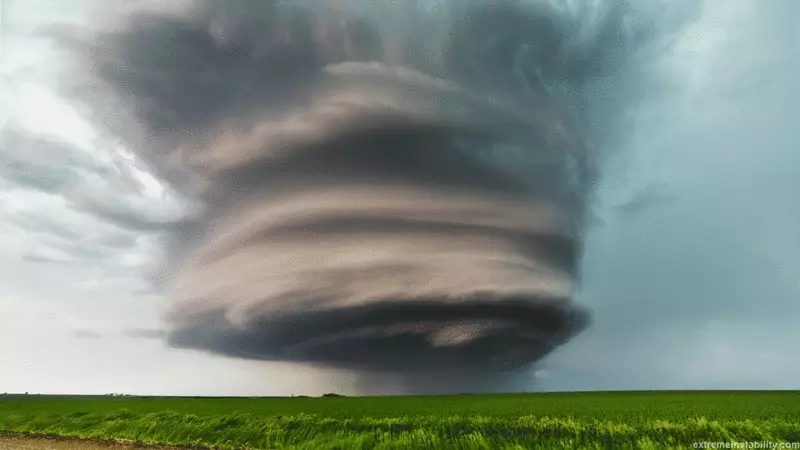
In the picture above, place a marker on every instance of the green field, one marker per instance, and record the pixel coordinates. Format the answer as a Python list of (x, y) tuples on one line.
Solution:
[(511, 421)]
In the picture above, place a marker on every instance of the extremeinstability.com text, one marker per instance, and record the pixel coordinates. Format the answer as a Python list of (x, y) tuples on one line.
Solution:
[(748, 445)]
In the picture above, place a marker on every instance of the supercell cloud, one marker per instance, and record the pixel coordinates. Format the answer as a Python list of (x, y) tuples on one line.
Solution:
[(382, 188)]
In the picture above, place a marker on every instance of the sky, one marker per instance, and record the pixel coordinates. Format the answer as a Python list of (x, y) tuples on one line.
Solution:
[(691, 271)]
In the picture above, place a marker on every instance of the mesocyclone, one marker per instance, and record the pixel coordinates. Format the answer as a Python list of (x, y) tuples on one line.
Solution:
[(382, 188)]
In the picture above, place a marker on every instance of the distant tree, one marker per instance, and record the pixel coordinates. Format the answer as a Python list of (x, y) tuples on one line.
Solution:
[(331, 394)]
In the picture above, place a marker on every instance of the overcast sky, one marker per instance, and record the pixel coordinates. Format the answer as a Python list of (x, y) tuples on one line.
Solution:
[(692, 270)]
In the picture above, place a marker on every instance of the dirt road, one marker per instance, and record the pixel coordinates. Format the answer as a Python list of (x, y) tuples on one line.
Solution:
[(31, 443)]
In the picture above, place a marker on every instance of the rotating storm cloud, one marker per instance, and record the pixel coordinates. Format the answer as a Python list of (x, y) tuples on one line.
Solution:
[(385, 187)]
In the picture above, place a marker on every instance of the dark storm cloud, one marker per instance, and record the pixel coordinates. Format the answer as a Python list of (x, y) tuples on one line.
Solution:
[(370, 199)]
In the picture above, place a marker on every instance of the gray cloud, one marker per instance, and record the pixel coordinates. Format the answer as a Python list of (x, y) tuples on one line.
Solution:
[(145, 333), (46, 225), (87, 334), (116, 240), (48, 259), (355, 213), (43, 179), (647, 198), (120, 215), (43, 163), (100, 211), (106, 189), (76, 240)]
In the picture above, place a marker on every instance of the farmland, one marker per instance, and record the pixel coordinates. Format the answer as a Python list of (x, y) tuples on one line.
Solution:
[(673, 419)]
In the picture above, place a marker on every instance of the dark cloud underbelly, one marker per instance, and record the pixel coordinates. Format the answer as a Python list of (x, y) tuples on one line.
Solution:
[(380, 243)]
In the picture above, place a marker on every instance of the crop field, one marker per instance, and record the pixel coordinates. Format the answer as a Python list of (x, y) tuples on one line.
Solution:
[(656, 420)]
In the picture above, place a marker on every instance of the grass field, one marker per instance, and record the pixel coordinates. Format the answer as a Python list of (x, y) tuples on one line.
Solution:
[(511, 421)]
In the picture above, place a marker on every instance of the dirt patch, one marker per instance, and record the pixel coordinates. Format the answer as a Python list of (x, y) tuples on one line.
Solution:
[(51, 443)]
